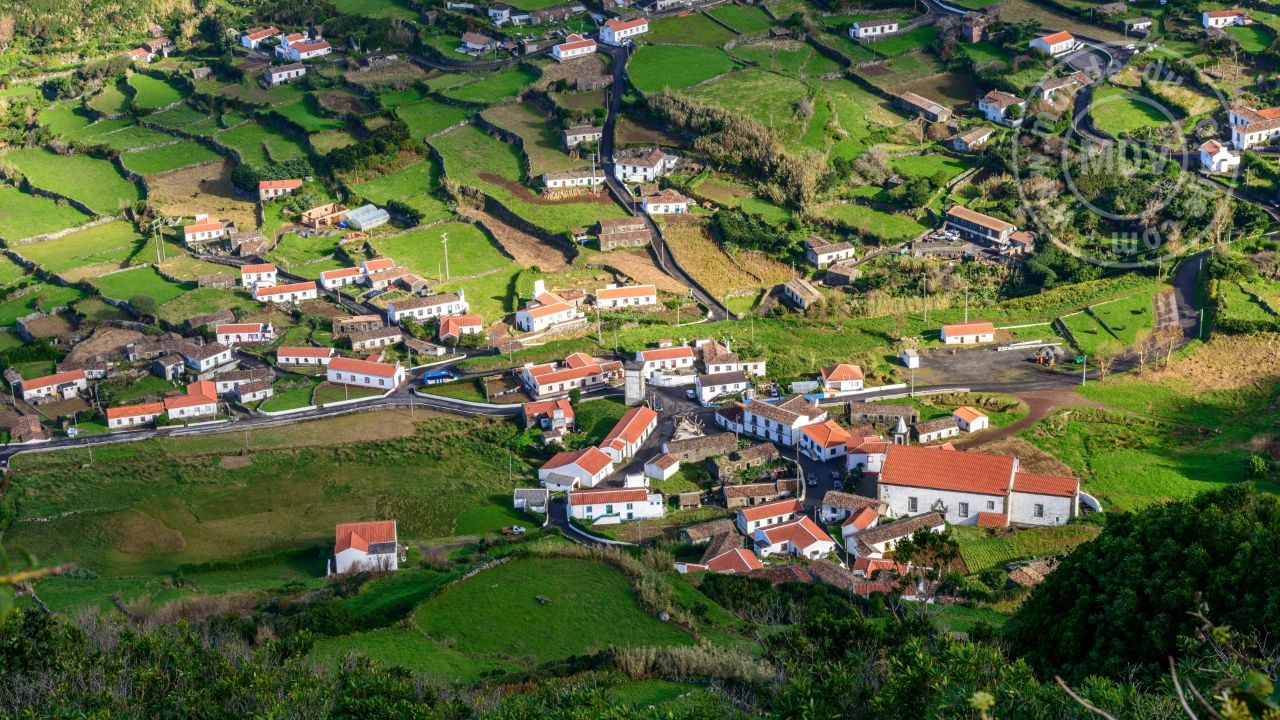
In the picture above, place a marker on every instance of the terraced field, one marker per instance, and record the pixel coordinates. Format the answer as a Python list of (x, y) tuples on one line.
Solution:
[(96, 183)]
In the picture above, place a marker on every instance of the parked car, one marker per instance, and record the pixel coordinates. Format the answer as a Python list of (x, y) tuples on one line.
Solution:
[(691, 394), (813, 481)]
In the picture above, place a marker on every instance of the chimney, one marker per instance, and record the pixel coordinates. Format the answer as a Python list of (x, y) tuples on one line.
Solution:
[(539, 287), (201, 217)]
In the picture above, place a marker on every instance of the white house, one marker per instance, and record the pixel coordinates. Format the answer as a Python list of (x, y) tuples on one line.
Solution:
[(365, 547), (291, 293), (239, 333), (576, 135), (203, 358), (872, 29), (824, 441), (254, 391), (662, 466), (864, 453), (662, 359), (545, 310), (272, 189), (801, 293), (619, 32), (205, 230), (365, 373), (201, 400), (609, 506), (821, 253), (579, 371), (780, 422), (1054, 44), (573, 178), (910, 358), (882, 538), (303, 49), (1216, 157), (574, 46), (253, 36), (968, 488), (334, 279), (499, 13), (1224, 18), (971, 419), (800, 537), (749, 519), (934, 430), (127, 416), (842, 378), (614, 297), (421, 308), (304, 356), (710, 387), (995, 105), (572, 470), (457, 326), (258, 275), (1251, 127), (665, 202), (63, 386), (968, 333), (279, 74), (644, 168), (629, 434), (719, 358), (838, 506)]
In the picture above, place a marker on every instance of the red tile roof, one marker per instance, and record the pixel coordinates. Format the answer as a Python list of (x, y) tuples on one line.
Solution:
[(978, 218), (124, 411), (1026, 482), (617, 25), (841, 373), (973, 328), (575, 42), (239, 328), (773, 509), (861, 519), (453, 324), (827, 434), (203, 227), (361, 535), (364, 367), (626, 291), (258, 268), (304, 352), (54, 379), (1226, 13), (673, 353), (968, 414), (341, 273), (870, 566), (801, 532), (593, 460), (609, 495), (279, 184), (284, 289), (937, 469), (1057, 37), (992, 520), (379, 263), (632, 426), (545, 407), (734, 561)]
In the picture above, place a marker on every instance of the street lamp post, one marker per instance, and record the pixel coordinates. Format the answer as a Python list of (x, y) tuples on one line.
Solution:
[(444, 240)]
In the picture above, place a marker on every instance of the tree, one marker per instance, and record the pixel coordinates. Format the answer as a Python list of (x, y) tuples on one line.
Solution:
[(143, 304), (930, 555)]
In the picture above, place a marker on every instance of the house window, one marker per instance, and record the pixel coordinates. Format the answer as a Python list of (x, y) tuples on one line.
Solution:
[(608, 509), (991, 504), (911, 504), (630, 505), (1039, 512), (964, 509)]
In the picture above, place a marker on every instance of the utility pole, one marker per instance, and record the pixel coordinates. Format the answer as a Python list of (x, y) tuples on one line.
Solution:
[(444, 240), (966, 304), (1200, 326), (1084, 369)]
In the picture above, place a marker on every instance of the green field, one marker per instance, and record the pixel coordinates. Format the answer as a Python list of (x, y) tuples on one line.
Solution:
[(658, 67), (111, 100), (377, 9), (152, 93), (874, 223), (24, 216), (860, 114), (724, 191), (769, 99), (697, 29), (201, 301), (981, 549), (1117, 111), (415, 185), (1127, 318), (143, 280), (45, 299), (470, 250), (921, 37), (392, 99), (929, 165), (96, 183), (65, 118), (168, 157), (1252, 38), (110, 245), (128, 138), (325, 142), (306, 115), (430, 116), (506, 84), (789, 57), (260, 145), (187, 118), (745, 19), (541, 139), (294, 251)]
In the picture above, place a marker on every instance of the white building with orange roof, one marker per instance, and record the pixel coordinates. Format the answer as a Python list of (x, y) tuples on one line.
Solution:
[(201, 400), (377, 264), (205, 230), (577, 372), (253, 36), (631, 432), (864, 452), (749, 519), (574, 46), (59, 386), (272, 189), (968, 333), (304, 356), (838, 506), (545, 310), (576, 469), (231, 334), (458, 326), (291, 293), (979, 227), (842, 378), (614, 297), (334, 279), (364, 373), (665, 202), (662, 466), (258, 275), (824, 441), (782, 421), (734, 561), (800, 537), (1251, 126), (1055, 43), (365, 547), (1218, 158), (1224, 18), (619, 32), (971, 419), (609, 506), (130, 416), (654, 360)]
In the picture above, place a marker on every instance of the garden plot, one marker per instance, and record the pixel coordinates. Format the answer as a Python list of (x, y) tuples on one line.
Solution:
[(96, 183), (471, 252), (416, 185), (260, 145), (474, 159), (949, 88), (722, 274), (167, 157), (151, 93), (746, 19), (202, 189), (392, 99), (541, 139), (672, 67), (493, 88), (307, 256), (143, 280), (696, 29), (726, 192), (430, 116), (24, 216), (582, 102), (85, 253)]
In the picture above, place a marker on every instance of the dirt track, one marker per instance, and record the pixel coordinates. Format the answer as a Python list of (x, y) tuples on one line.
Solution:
[(1041, 404), (527, 250)]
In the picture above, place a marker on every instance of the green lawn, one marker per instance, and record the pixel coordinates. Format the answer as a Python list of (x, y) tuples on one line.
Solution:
[(1128, 317), (294, 251), (110, 100), (65, 118), (325, 142), (45, 299), (929, 165), (143, 280), (392, 99), (655, 67), (595, 418), (697, 29), (291, 392), (152, 93), (470, 250), (541, 138), (769, 99), (23, 215), (874, 223), (1252, 38), (327, 393), (417, 185), (860, 114), (201, 301), (745, 19), (377, 9), (260, 145), (111, 243), (921, 37), (96, 183), (1117, 111), (168, 157), (430, 116), (506, 84), (306, 115)]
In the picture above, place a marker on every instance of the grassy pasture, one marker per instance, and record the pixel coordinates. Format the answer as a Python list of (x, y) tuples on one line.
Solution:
[(306, 115), (110, 100), (168, 157), (1117, 112), (186, 118), (45, 299), (914, 39), (491, 89), (151, 93), (296, 252), (131, 137), (886, 227), (470, 250), (767, 98), (725, 191), (745, 19), (429, 116), (65, 118), (1252, 38), (655, 67), (205, 300), (260, 145), (377, 9), (982, 549), (415, 185), (324, 142), (697, 29), (96, 183), (23, 215), (143, 280), (107, 246), (541, 139)]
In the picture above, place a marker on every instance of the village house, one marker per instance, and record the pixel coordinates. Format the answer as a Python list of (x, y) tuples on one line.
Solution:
[(303, 48), (169, 367), (924, 107), (864, 451), (977, 226), (549, 415), (474, 43), (969, 488), (842, 378), (253, 36), (646, 167), (841, 276), (755, 494), (880, 413), (383, 279), (620, 32), (750, 519), (574, 46), (821, 253), (572, 179), (800, 537), (1055, 43), (455, 327), (938, 429), (710, 386), (545, 310), (254, 391), (971, 140), (665, 202), (334, 279), (323, 216), (354, 323), (578, 372), (364, 373), (205, 230), (610, 506), (1137, 25), (280, 74), (291, 293), (200, 401), (718, 357), (201, 359), (1251, 127), (780, 422), (614, 297), (1216, 157), (839, 506), (664, 359), (1048, 89), (910, 358), (629, 434), (971, 419), (243, 333), (968, 333), (824, 441), (129, 416), (697, 449), (225, 383), (421, 308), (729, 562), (375, 338), (258, 275), (623, 232), (875, 541), (58, 386), (1224, 18), (662, 466), (873, 29), (996, 106), (576, 135), (140, 55), (801, 293), (534, 500), (366, 547), (572, 470)]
